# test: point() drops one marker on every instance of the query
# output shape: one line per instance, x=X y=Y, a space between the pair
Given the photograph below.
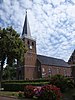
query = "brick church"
x=39 y=66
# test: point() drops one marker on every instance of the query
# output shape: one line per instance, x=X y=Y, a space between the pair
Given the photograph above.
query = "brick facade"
x=30 y=67
x=53 y=70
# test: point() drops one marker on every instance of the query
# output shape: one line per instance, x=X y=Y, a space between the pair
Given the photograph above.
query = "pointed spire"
x=26 y=29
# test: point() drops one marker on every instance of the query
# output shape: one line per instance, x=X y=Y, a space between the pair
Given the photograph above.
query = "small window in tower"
x=32 y=43
x=28 y=42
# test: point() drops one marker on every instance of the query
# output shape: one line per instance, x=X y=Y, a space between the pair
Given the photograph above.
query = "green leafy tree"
x=9 y=73
x=11 y=47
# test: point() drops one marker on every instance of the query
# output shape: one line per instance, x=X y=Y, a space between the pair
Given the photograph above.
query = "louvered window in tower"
x=28 y=44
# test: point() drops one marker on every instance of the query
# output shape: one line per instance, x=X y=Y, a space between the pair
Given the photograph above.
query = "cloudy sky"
x=52 y=23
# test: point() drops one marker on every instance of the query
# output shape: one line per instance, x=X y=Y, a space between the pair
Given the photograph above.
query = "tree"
x=9 y=73
x=11 y=47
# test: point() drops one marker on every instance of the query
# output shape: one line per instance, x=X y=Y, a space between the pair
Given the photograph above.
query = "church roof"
x=26 y=29
x=52 y=61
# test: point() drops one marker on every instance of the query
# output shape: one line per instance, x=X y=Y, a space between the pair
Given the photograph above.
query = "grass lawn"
x=8 y=93
x=12 y=94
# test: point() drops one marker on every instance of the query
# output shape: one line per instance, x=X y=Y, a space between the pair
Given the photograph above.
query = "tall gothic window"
x=57 y=70
x=49 y=71
x=65 y=73
x=43 y=69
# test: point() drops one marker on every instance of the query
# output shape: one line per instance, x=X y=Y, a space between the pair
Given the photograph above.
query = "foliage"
x=58 y=80
x=48 y=92
x=9 y=73
x=24 y=81
x=29 y=91
x=62 y=82
x=20 y=94
x=13 y=86
x=70 y=83
x=68 y=95
x=19 y=85
x=11 y=47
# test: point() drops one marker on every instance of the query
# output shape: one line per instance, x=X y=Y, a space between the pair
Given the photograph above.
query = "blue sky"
x=52 y=23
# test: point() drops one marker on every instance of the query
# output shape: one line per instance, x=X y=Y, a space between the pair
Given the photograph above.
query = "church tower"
x=30 y=70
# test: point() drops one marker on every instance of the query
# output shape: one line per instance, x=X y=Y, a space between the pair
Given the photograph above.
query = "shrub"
x=49 y=92
x=70 y=83
x=29 y=91
x=62 y=82
x=20 y=94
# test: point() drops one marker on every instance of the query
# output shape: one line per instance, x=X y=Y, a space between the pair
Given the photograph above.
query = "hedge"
x=23 y=81
x=19 y=85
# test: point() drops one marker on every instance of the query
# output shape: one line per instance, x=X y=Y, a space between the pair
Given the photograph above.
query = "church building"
x=39 y=66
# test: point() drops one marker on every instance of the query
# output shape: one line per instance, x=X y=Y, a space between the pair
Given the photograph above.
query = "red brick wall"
x=52 y=70
x=30 y=59
x=30 y=72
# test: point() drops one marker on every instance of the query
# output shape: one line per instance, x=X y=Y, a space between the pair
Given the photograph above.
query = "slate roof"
x=26 y=28
x=52 y=61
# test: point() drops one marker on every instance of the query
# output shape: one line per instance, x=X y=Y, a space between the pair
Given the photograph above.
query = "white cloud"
x=71 y=11
x=51 y=23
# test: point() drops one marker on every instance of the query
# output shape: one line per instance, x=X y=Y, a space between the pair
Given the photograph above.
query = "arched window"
x=43 y=69
x=32 y=43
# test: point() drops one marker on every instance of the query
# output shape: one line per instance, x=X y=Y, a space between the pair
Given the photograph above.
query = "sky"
x=52 y=24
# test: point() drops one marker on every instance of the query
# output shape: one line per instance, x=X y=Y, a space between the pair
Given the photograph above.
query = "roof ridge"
x=50 y=57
